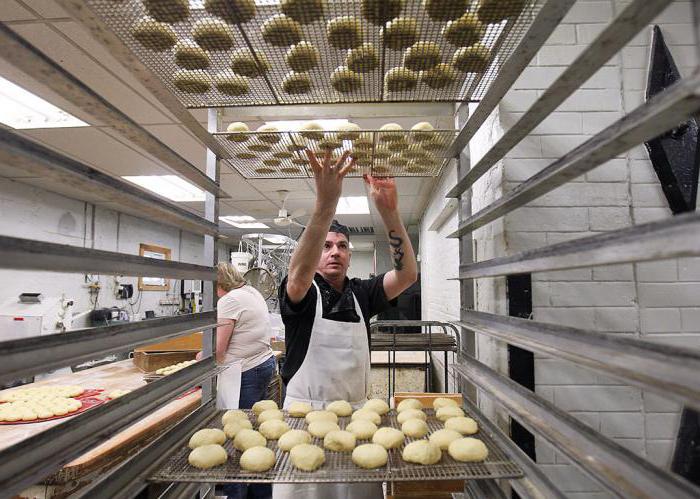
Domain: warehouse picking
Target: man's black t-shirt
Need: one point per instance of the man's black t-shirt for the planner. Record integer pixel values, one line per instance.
(299, 318)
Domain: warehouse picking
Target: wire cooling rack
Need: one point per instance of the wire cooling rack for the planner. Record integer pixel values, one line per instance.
(339, 466)
(225, 53)
(379, 153)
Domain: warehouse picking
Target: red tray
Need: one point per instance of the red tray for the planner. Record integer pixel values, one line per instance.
(88, 403)
(89, 393)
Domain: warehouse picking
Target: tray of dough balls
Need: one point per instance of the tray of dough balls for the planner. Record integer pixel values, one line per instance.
(337, 444)
(391, 150)
(44, 403)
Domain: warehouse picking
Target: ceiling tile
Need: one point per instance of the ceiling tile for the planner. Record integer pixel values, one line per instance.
(8, 171)
(409, 186)
(239, 189)
(272, 185)
(45, 8)
(182, 143)
(13, 11)
(258, 209)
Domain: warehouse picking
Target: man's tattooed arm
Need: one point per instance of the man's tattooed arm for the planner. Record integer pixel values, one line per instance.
(396, 244)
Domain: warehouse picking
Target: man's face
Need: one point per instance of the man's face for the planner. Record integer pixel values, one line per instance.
(335, 258)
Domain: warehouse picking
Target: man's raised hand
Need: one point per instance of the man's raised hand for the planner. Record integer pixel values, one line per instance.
(329, 177)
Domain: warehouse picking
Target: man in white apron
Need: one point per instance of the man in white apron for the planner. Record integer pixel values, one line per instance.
(326, 315)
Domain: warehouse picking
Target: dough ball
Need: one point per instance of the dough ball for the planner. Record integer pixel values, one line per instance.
(189, 55)
(468, 450)
(296, 83)
(321, 428)
(345, 80)
(299, 409)
(302, 57)
(495, 11)
(307, 457)
(191, 82)
(381, 152)
(409, 404)
(300, 161)
(232, 427)
(245, 64)
(421, 452)
(363, 142)
(397, 160)
(362, 428)
(264, 170)
(339, 441)
(283, 155)
(397, 146)
(269, 134)
(259, 147)
(411, 414)
(154, 35)
(400, 33)
(231, 84)
(389, 438)
(450, 411)
(443, 438)
(422, 56)
(168, 11)
(344, 32)
(321, 416)
(414, 428)
(247, 438)
(330, 142)
(370, 456)
(444, 402)
(115, 394)
(380, 11)
(465, 31)
(362, 59)
(292, 438)
(258, 459)
(377, 405)
(238, 134)
(445, 10)
(303, 11)
(393, 135)
(474, 59)
(233, 11)
(207, 456)
(311, 130)
(273, 429)
(366, 414)
(464, 425)
(348, 131)
(271, 414)
(291, 170)
(400, 79)
(281, 31)
(416, 169)
(212, 34)
(415, 152)
(440, 76)
(271, 162)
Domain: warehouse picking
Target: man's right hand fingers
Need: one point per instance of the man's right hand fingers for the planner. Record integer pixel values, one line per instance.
(344, 171)
(313, 160)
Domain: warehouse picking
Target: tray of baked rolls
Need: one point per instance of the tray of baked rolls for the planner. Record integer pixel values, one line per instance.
(336, 444)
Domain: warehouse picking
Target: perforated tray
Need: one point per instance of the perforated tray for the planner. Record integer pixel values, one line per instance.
(339, 466)
(500, 37)
(283, 161)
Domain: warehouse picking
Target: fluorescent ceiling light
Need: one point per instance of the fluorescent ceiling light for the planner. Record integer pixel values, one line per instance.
(294, 125)
(243, 222)
(169, 186)
(351, 246)
(352, 205)
(275, 239)
(21, 109)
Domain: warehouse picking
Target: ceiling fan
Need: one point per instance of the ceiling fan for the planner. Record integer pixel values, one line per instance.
(284, 218)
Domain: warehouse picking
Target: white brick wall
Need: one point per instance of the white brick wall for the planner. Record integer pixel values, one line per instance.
(659, 301)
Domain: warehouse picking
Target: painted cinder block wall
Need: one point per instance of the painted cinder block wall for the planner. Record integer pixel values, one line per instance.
(657, 301)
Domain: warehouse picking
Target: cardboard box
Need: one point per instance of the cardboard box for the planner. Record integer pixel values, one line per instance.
(148, 358)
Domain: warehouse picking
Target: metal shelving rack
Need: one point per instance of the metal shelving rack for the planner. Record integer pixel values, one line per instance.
(671, 371)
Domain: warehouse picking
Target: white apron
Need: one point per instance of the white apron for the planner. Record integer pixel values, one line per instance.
(228, 387)
(336, 367)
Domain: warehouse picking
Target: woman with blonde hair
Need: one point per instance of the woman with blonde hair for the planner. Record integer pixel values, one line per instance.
(245, 337)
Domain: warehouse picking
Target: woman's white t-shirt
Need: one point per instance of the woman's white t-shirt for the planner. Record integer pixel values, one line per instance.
(250, 341)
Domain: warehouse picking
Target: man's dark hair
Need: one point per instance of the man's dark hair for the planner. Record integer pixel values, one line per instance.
(340, 229)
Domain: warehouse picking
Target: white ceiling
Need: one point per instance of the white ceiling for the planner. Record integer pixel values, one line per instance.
(47, 27)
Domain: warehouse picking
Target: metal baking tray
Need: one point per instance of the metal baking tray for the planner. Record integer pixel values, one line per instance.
(500, 37)
(339, 466)
(294, 164)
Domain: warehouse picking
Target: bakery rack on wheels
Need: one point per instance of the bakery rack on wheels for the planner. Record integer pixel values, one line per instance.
(387, 336)
(509, 39)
